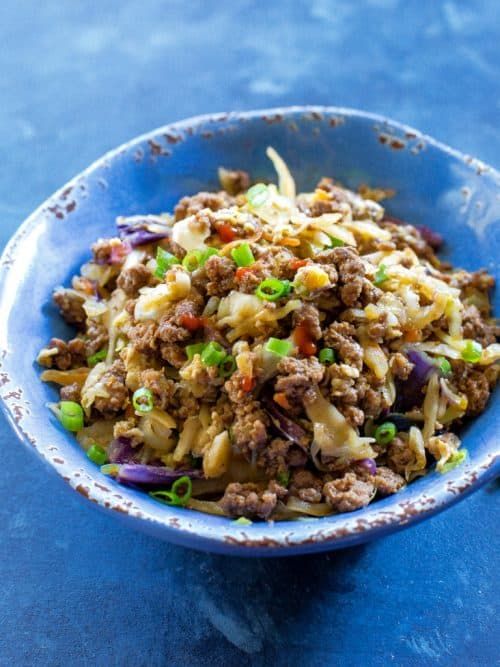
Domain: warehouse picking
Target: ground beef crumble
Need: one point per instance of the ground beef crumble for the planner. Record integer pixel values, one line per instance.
(348, 493)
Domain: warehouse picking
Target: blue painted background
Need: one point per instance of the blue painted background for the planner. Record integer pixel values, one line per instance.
(77, 78)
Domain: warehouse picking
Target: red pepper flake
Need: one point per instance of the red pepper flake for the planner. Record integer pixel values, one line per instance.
(297, 264)
(191, 322)
(242, 271)
(302, 339)
(281, 399)
(248, 383)
(226, 233)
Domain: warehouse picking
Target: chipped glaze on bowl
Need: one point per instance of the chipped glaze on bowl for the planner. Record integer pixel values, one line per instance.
(451, 192)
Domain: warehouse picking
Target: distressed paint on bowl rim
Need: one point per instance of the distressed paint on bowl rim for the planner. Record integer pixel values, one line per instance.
(183, 526)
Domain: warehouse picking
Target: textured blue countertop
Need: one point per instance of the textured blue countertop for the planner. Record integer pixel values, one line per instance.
(77, 78)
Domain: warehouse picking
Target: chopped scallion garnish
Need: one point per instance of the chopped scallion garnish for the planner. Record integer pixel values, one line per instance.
(97, 357)
(97, 454)
(164, 261)
(335, 242)
(283, 478)
(227, 366)
(179, 494)
(472, 351)
(242, 521)
(455, 460)
(196, 348)
(243, 255)
(444, 366)
(279, 347)
(142, 400)
(380, 275)
(272, 289)
(257, 195)
(213, 354)
(71, 415)
(384, 434)
(327, 355)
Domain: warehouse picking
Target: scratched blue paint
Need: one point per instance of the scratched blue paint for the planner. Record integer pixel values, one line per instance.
(79, 589)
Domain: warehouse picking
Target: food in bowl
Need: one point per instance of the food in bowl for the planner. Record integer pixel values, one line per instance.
(263, 354)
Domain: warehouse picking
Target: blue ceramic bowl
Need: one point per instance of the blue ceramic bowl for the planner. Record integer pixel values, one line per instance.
(453, 193)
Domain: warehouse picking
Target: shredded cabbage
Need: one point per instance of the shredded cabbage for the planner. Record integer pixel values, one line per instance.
(333, 435)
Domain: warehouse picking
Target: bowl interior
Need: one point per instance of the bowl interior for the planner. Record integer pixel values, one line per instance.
(450, 193)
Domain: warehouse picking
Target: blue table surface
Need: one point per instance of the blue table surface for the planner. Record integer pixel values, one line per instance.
(77, 78)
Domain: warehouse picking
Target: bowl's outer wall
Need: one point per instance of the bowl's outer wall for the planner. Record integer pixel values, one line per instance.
(457, 196)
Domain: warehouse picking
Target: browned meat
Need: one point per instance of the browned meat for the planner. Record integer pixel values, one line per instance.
(475, 327)
(297, 379)
(113, 381)
(404, 236)
(480, 280)
(70, 392)
(250, 427)
(340, 336)
(335, 192)
(173, 353)
(131, 280)
(142, 335)
(168, 332)
(474, 384)
(248, 500)
(399, 455)
(71, 307)
(234, 181)
(162, 388)
(308, 315)
(377, 329)
(96, 337)
(351, 271)
(400, 366)
(280, 455)
(69, 355)
(192, 205)
(306, 486)
(220, 273)
(387, 481)
(348, 493)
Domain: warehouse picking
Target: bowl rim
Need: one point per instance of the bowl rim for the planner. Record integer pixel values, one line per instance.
(313, 536)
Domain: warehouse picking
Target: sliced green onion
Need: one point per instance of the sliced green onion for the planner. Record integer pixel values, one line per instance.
(280, 347)
(385, 433)
(193, 260)
(271, 289)
(164, 261)
(327, 355)
(257, 195)
(380, 275)
(197, 258)
(227, 366)
(242, 521)
(196, 348)
(142, 400)
(243, 255)
(444, 366)
(213, 354)
(97, 455)
(455, 460)
(472, 351)
(209, 252)
(111, 469)
(97, 357)
(172, 497)
(335, 242)
(283, 478)
(71, 415)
